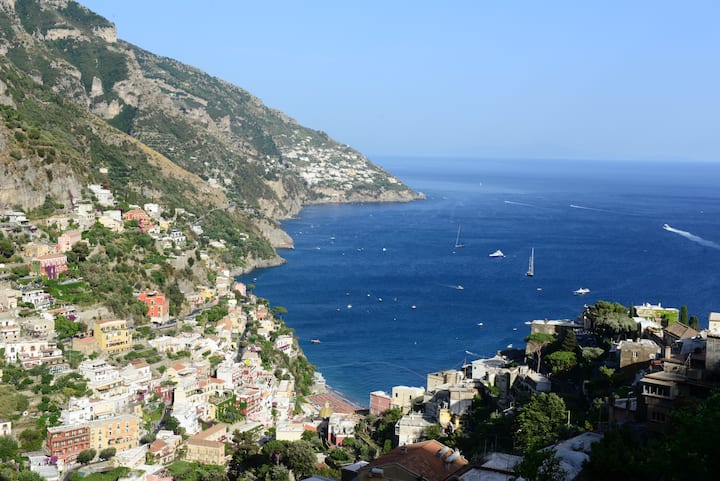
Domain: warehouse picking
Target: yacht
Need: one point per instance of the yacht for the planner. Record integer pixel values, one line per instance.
(497, 253)
(315, 341)
(582, 291)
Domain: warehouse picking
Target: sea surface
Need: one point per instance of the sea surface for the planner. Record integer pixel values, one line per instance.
(379, 284)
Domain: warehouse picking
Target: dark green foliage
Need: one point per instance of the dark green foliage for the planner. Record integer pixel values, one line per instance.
(107, 453)
(694, 323)
(300, 458)
(8, 448)
(65, 328)
(124, 120)
(611, 320)
(539, 423)
(684, 314)
(542, 465)
(93, 59)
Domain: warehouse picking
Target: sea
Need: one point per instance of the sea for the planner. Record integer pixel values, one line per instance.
(391, 298)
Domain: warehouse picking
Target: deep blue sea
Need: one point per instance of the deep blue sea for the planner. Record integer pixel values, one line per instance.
(357, 270)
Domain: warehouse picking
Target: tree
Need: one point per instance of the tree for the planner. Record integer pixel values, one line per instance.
(301, 459)
(86, 455)
(684, 314)
(540, 421)
(7, 249)
(610, 320)
(65, 328)
(561, 361)
(8, 448)
(107, 453)
(541, 465)
(275, 450)
(694, 322)
(569, 342)
(536, 342)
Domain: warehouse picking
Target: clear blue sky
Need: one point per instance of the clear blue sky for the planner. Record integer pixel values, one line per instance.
(510, 79)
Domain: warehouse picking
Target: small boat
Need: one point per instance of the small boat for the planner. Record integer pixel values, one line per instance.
(528, 323)
(459, 287)
(582, 291)
(480, 324)
(531, 265)
(497, 253)
(509, 346)
(315, 341)
(413, 307)
(458, 241)
(349, 306)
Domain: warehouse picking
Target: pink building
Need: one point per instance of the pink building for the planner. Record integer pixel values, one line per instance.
(68, 240)
(50, 265)
(379, 402)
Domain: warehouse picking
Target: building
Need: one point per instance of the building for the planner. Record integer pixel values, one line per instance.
(67, 441)
(119, 432)
(145, 222)
(677, 331)
(49, 265)
(113, 336)
(425, 461)
(208, 446)
(379, 402)
(657, 312)
(67, 240)
(402, 397)
(411, 428)
(626, 353)
(158, 306)
(441, 378)
(714, 322)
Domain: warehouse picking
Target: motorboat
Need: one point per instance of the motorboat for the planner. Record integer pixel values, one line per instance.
(497, 253)
(582, 291)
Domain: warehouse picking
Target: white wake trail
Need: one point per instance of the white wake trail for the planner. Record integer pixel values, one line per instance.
(512, 202)
(692, 237)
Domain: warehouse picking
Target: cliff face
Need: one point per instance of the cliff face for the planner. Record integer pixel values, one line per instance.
(169, 132)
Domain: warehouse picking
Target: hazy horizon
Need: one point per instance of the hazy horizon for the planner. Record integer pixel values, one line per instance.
(605, 81)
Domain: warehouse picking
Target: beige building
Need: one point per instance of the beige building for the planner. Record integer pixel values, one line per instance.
(208, 447)
(119, 432)
(402, 397)
(113, 336)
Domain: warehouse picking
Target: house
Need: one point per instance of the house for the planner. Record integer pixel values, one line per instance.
(87, 345)
(111, 223)
(626, 353)
(424, 461)
(65, 442)
(68, 239)
(145, 222)
(676, 331)
(119, 432)
(49, 265)
(410, 428)
(113, 336)
(37, 297)
(161, 452)
(657, 312)
(208, 447)
(158, 306)
(379, 402)
(340, 427)
(103, 196)
(402, 397)
(9, 299)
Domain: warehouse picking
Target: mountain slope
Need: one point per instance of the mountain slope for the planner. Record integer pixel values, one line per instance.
(82, 107)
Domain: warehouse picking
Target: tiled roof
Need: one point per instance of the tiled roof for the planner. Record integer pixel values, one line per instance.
(681, 330)
(428, 460)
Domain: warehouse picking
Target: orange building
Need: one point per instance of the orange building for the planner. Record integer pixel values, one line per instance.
(144, 221)
(158, 305)
(66, 442)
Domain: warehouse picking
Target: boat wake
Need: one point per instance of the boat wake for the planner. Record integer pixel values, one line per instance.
(594, 209)
(512, 202)
(692, 237)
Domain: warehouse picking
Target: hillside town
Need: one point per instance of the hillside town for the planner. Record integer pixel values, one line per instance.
(189, 376)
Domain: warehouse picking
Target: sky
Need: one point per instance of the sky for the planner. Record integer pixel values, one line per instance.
(605, 80)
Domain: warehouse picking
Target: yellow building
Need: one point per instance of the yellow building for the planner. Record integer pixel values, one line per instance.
(113, 336)
(208, 447)
(119, 432)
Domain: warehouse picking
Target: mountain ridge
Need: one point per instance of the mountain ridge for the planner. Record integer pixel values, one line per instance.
(172, 133)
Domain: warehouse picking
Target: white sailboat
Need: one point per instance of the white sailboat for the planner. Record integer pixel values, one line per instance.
(458, 242)
(531, 265)
(497, 253)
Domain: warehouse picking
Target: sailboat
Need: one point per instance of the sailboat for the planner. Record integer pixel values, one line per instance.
(531, 265)
(458, 242)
